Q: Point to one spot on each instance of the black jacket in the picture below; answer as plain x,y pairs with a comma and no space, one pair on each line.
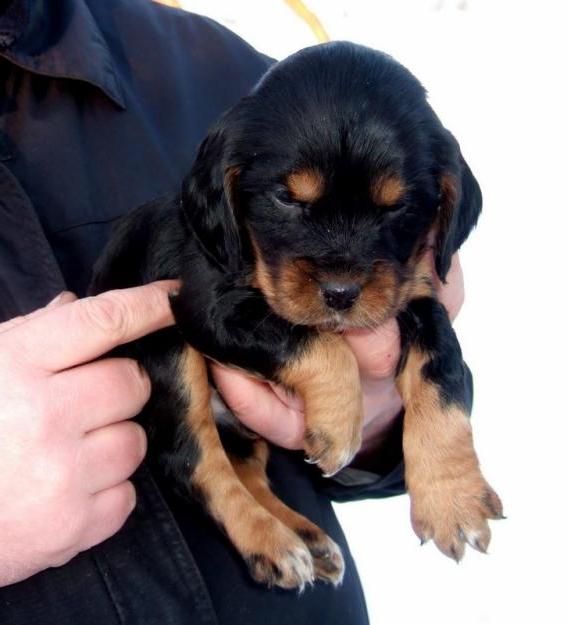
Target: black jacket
102,106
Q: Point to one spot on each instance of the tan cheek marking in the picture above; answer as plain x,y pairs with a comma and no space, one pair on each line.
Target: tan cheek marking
379,298
293,295
306,185
262,278
387,191
300,300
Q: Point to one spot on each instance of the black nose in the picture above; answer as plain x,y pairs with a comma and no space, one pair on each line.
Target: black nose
340,296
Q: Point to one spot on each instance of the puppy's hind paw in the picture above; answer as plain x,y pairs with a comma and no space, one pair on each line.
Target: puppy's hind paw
290,567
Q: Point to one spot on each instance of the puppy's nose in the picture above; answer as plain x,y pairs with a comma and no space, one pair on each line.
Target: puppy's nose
340,295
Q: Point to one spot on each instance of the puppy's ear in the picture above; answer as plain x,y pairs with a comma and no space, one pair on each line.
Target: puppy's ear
460,201
209,194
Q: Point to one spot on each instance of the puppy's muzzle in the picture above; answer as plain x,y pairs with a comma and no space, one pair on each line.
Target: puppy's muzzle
339,295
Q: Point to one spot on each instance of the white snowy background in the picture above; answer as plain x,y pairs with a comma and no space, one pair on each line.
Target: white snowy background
495,71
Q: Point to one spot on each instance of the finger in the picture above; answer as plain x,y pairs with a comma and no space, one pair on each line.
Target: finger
108,512
83,330
99,393
63,298
381,401
109,455
377,350
259,408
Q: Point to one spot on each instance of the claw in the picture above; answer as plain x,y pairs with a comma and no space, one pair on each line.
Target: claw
479,547
456,553
479,538
492,504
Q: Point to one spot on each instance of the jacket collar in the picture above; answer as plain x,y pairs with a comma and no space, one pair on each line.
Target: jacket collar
59,39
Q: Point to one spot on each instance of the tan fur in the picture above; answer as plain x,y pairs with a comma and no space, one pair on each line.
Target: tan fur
327,557
230,180
326,376
280,557
306,185
252,473
450,499
294,295
379,299
421,282
387,190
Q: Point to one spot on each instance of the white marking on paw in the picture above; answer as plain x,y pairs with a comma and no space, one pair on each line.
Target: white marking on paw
300,566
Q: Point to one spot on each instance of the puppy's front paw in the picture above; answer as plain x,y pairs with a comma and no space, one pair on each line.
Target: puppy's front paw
454,511
333,446
326,376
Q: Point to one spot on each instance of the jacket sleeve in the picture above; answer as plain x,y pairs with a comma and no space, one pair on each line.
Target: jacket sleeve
352,484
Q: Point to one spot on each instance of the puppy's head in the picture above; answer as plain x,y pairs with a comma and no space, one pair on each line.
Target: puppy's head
324,183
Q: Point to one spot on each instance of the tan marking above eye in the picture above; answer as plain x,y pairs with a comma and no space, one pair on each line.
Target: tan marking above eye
387,190
306,185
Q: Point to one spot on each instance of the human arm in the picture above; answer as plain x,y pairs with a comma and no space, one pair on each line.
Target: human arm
68,447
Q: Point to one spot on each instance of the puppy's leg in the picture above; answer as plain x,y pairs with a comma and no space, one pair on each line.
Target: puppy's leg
325,373
450,499
327,556
275,555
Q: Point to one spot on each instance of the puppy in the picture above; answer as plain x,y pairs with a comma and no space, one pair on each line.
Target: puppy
308,209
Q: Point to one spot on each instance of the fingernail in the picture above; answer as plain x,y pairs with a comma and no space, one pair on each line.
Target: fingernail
133,500
56,299
145,377
63,297
143,441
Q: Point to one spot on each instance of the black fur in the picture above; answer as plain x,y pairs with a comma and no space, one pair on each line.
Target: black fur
350,113
424,324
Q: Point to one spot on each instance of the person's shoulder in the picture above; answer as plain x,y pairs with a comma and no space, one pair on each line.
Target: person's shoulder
179,32
215,37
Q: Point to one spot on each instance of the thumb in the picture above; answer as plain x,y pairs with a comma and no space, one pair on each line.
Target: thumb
255,404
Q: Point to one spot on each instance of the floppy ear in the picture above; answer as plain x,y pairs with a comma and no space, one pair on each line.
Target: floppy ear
209,195
460,202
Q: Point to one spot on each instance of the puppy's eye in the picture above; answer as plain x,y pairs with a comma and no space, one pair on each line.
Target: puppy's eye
285,201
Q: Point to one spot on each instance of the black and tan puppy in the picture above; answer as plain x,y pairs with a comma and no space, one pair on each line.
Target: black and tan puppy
308,209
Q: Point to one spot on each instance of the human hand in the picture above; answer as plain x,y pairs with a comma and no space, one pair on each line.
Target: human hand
67,447
278,416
